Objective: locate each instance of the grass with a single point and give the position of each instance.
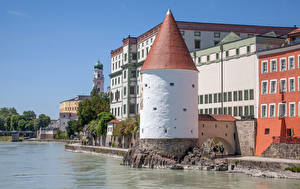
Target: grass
(295, 169)
(5, 138)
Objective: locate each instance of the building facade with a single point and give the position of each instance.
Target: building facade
(98, 81)
(228, 75)
(279, 96)
(68, 110)
(126, 61)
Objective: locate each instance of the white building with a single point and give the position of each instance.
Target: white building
(230, 69)
(127, 60)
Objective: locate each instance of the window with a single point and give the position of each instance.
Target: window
(273, 66)
(273, 84)
(289, 132)
(215, 98)
(118, 111)
(248, 49)
(143, 51)
(201, 111)
(264, 87)
(240, 110)
(133, 74)
(124, 108)
(138, 54)
(219, 110)
(210, 98)
(251, 94)
(282, 85)
(281, 110)
(283, 64)
(215, 110)
(131, 89)
(207, 58)
(197, 44)
(246, 110)
(217, 56)
(227, 53)
(154, 108)
(217, 34)
(124, 74)
(252, 110)
(264, 67)
(225, 110)
(171, 84)
(292, 109)
(229, 110)
(206, 99)
(298, 61)
(147, 51)
(197, 33)
(271, 110)
(240, 95)
(299, 83)
(292, 84)
(201, 99)
(210, 110)
(132, 109)
(291, 63)
(263, 110)
(235, 96)
(125, 57)
(206, 111)
(237, 52)
(229, 96)
(246, 96)
(225, 97)
(124, 91)
(133, 57)
(219, 97)
(267, 131)
(235, 111)
(216, 42)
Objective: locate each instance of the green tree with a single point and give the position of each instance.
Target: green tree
(29, 115)
(7, 112)
(89, 109)
(104, 118)
(29, 125)
(126, 127)
(21, 125)
(71, 128)
(41, 122)
(7, 124)
(2, 127)
(14, 119)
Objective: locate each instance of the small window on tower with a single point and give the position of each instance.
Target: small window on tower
(146, 85)
(267, 131)
(193, 85)
(166, 130)
(171, 84)
(154, 108)
(184, 109)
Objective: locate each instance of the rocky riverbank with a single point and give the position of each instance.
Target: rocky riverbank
(200, 159)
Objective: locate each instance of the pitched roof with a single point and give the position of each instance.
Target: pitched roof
(169, 50)
(215, 117)
(295, 31)
(230, 38)
(114, 121)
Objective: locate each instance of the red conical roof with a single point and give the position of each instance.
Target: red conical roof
(169, 50)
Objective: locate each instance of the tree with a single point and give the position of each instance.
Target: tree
(71, 128)
(126, 127)
(21, 125)
(41, 122)
(29, 115)
(7, 112)
(14, 119)
(7, 124)
(29, 125)
(104, 118)
(88, 109)
(2, 127)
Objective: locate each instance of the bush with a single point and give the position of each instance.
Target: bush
(125, 128)
(104, 118)
(295, 169)
(61, 135)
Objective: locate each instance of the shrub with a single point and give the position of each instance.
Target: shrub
(125, 128)
(295, 169)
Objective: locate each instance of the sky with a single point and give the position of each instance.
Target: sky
(48, 48)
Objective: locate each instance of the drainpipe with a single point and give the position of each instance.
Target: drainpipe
(222, 80)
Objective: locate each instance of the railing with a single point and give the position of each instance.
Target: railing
(288, 140)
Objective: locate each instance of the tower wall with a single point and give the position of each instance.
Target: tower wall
(169, 107)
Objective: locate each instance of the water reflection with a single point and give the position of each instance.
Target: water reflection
(47, 165)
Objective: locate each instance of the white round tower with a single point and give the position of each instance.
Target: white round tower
(169, 115)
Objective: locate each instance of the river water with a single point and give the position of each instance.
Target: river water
(35, 165)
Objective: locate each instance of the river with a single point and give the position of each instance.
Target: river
(36, 165)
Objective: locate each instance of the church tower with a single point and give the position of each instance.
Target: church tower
(98, 77)
(169, 116)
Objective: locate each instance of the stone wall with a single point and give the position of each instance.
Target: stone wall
(96, 149)
(171, 148)
(282, 150)
(245, 137)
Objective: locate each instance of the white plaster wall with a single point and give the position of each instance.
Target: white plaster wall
(170, 102)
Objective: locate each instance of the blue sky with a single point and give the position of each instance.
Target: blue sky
(48, 48)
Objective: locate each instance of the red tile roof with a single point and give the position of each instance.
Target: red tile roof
(169, 50)
(114, 121)
(215, 117)
(295, 31)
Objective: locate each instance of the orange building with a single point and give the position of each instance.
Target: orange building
(279, 97)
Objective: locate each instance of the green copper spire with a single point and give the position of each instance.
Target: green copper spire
(98, 65)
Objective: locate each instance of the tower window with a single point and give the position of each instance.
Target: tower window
(146, 85)
(184, 109)
(193, 85)
(267, 131)
(154, 108)
(166, 130)
(171, 84)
